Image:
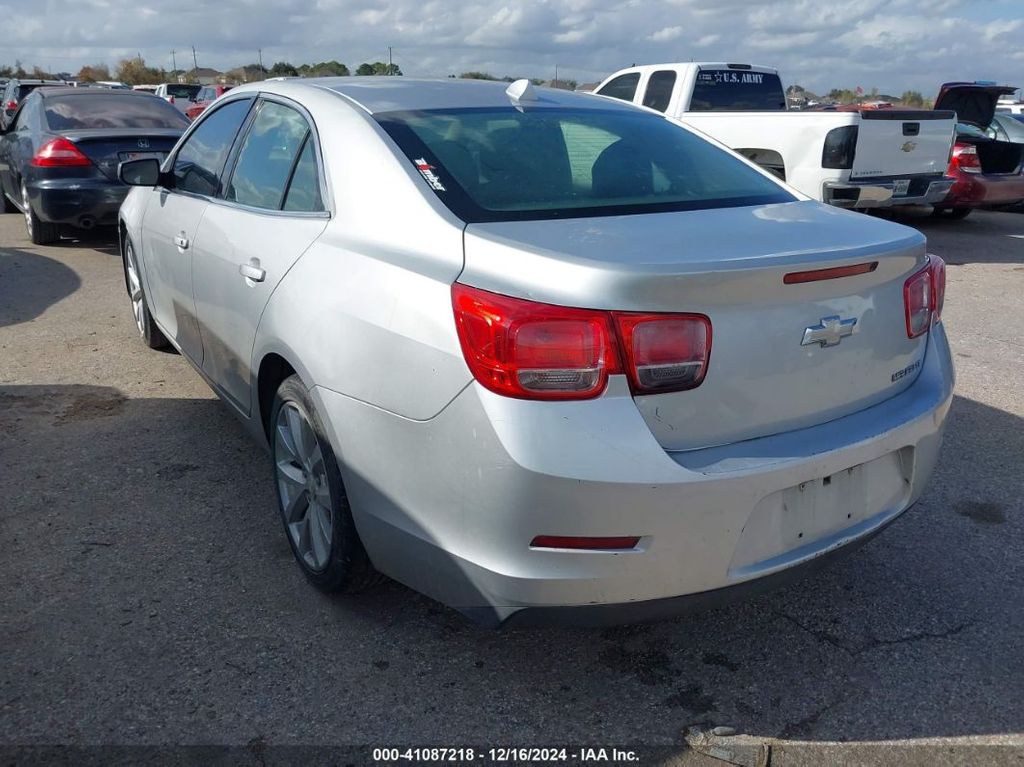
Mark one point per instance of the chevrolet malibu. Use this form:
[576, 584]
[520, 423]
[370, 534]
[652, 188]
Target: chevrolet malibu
[540, 356]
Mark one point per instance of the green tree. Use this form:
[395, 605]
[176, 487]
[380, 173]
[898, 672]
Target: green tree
[135, 72]
[378, 68]
[283, 69]
[477, 76]
[92, 73]
[912, 99]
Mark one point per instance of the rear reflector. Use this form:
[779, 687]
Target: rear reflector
[816, 275]
[577, 542]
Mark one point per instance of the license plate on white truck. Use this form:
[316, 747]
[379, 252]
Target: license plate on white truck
[901, 187]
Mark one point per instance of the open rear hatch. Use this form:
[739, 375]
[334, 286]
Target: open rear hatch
[975, 105]
[108, 147]
[785, 353]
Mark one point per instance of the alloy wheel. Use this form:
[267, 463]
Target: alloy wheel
[26, 209]
[302, 486]
[134, 287]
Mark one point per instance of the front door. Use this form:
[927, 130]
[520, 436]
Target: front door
[170, 236]
[272, 211]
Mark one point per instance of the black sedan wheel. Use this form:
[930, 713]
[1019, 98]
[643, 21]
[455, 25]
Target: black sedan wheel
[40, 232]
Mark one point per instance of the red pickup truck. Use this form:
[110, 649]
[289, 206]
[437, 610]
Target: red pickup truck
[205, 97]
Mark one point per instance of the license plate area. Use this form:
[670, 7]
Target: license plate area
[798, 516]
[901, 187]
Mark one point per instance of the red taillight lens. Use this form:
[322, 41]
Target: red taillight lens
[59, 153]
[534, 351]
[585, 543]
[10, 106]
[965, 157]
[665, 352]
[924, 293]
[530, 350]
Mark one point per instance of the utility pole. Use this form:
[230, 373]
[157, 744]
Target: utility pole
[260, 50]
[555, 83]
[195, 63]
[390, 65]
[174, 65]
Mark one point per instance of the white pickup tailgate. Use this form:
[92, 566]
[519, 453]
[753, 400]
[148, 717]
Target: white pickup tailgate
[898, 142]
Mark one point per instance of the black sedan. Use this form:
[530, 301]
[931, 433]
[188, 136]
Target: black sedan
[60, 152]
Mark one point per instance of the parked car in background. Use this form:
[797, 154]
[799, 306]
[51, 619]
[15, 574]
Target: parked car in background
[146, 88]
[988, 155]
[475, 327]
[59, 156]
[181, 95]
[15, 91]
[860, 159]
[206, 96]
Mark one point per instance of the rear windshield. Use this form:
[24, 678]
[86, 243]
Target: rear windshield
[736, 90]
[110, 110]
[25, 89]
[183, 91]
[501, 164]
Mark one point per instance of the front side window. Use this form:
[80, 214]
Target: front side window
[500, 164]
[269, 157]
[198, 165]
[659, 90]
[622, 87]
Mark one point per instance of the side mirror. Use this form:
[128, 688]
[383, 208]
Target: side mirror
[144, 172]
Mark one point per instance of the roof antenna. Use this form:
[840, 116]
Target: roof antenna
[521, 90]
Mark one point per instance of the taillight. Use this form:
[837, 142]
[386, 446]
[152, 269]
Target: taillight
[531, 350]
[59, 153]
[665, 352]
[923, 295]
[11, 105]
[839, 149]
[965, 157]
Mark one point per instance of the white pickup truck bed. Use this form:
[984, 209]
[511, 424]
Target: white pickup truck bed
[866, 159]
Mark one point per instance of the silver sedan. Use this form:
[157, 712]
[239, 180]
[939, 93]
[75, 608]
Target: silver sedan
[541, 356]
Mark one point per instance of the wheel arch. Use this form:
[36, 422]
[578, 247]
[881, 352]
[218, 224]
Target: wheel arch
[274, 368]
[769, 159]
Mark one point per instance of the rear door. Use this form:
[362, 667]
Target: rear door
[901, 143]
[272, 209]
[172, 220]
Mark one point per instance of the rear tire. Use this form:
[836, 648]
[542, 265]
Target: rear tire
[311, 496]
[39, 231]
[151, 335]
[951, 214]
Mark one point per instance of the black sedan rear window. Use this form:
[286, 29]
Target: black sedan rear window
[110, 110]
[183, 91]
[503, 164]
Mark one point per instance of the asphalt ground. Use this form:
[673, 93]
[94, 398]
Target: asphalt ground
[149, 596]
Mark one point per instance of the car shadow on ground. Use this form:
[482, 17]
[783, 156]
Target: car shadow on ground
[30, 283]
[149, 592]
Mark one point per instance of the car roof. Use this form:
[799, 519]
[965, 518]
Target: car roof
[49, 93]
[398, 94]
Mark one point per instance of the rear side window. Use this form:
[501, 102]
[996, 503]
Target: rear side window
[182, 91]
[269, 157]
[659, 90]
[737, 90]
[622, 87]
[198, 165]
[304, 190]
[110, 110]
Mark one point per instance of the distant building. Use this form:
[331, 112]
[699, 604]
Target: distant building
[202, 75]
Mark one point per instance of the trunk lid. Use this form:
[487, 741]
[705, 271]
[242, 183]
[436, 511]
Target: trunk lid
[109, 147]
[899, 142]
[974, 103]
[729, 264]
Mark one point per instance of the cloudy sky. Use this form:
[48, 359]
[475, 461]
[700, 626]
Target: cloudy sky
[893, 45]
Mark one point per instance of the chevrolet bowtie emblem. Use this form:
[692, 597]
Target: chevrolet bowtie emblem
[830, 332]
[909, 146]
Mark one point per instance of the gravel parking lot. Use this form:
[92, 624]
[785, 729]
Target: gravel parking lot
[149, 595]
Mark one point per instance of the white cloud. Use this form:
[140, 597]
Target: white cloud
[889, 44]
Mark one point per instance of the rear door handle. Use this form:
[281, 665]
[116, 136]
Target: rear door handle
[181, 241]
[251, 272]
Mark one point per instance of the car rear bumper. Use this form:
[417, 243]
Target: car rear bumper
[84, 203]
[449, 506]
[883, 193]
[973, 190]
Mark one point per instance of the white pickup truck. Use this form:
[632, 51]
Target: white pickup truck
[857, 159]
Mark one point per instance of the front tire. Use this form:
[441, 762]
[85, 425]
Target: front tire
[951, 214]
[150, 333]
[39, 232]
[311, 496]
